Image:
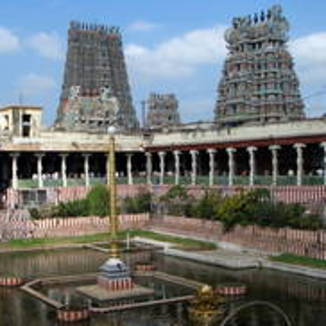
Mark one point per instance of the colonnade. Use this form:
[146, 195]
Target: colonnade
[212, 155]
[231, 152]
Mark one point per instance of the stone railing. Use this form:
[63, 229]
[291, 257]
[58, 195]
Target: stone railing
[299, 242]
[67, 226]
[240, 180]
[74, 182]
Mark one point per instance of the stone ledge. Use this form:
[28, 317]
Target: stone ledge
[227, 261]
[296, 269]
[101, 294]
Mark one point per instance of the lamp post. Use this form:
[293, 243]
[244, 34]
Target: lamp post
[115, 274]
[113, 194]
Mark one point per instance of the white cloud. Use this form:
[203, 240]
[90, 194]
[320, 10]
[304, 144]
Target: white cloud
[8, 41]
[142, 26]
[310, 54]
[179, 56]
[48, 45]
[310, 48]
[33, 84]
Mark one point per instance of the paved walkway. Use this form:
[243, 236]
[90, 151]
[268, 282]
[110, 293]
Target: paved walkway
[240, 258]
[220, 257]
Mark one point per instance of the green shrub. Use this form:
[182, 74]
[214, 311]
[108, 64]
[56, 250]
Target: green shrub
[207, 205]
[176, 192]
[232, 210]
[180, 209]
[73, 208]
[178, 202]
[255, 207]
[138, 204]
[96, 203]
[34, 213]
[98, 200]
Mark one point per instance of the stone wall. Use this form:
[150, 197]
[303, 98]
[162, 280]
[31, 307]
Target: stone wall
[299, 242]
[287, 194]
[55, 195]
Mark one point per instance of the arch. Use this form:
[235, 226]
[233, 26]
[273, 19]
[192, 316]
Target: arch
[257, 303]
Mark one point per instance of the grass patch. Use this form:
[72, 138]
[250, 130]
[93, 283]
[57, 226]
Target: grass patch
[40, 242]
[46, 242]
[300, 260]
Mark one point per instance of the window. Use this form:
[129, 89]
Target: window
[33, 198]
[27, 118]
[26, 125]
[26, 131]
[6, 127]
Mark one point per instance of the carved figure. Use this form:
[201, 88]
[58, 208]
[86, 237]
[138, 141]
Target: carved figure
[276, 12]
[105, 93]
[74, 92]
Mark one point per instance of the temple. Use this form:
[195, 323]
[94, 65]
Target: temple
[258, 84]
[162, 110]
[95, 65]
[259, 137]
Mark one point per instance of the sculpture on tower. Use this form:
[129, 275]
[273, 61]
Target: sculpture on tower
[95, 71]
[258, 84]
[89, 113]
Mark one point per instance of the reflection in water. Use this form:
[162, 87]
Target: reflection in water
[256, 313]
[303, 299]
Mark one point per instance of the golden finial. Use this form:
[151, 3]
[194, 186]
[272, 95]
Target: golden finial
[206, 307]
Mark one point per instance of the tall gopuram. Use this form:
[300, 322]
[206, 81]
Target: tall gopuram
[258, 84]
[162, 110]
[95, 68]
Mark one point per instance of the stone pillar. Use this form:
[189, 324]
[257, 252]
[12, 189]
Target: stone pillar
[274, 149]
[86, 168]
[162, 166]
[149, 167]
[211, 152]
[107, 168]
[323, 145]
[40, 169]
[299, 148]
[231, 151]
[252, 164]
[64, 169]
[14, 168]
[193, 166]
[129, 169]
[176, 167]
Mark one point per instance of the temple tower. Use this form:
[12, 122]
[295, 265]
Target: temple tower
[258, 84]
[162, 110]
[94, 61]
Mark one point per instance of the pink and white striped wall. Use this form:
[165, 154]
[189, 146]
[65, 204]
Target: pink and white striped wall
[287, 194]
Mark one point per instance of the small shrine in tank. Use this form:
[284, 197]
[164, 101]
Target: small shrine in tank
[114, 282]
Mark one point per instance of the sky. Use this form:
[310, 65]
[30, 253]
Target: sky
[170, 46]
